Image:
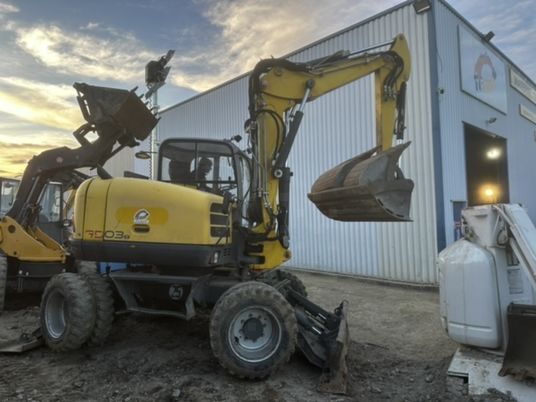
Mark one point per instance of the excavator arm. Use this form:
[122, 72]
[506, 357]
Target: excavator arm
[369, 187]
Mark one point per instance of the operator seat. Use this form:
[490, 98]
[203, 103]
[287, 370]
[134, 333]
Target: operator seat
[179, 171]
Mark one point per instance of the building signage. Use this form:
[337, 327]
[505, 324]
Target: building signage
[483, 74]
[522, 86]
[527, 113]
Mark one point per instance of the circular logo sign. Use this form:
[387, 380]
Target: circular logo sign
[141, 217]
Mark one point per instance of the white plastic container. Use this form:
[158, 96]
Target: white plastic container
[469, 295]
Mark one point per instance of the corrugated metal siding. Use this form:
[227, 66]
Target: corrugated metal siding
[124, 160]
[337, 127]
[456, 108]
[407, 251]
[219, 114]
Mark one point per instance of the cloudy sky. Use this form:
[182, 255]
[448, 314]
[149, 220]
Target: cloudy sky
[48, 45]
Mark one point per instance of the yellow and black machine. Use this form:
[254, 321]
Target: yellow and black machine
[213, 229]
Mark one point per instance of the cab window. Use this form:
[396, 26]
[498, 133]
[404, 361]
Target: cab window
[7, 195]
[207, 166]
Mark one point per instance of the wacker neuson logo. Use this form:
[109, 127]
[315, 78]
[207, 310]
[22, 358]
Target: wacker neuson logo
[142, 217]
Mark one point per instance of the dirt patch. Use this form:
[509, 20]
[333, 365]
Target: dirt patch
[398, 353]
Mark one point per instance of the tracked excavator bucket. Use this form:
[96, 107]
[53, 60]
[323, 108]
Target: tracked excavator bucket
[367, 188]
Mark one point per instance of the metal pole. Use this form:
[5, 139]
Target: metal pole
[154, 140]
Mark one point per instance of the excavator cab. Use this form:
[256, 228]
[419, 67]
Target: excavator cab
[217, 167]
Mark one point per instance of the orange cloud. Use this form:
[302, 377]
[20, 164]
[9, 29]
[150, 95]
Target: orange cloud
[15, 155]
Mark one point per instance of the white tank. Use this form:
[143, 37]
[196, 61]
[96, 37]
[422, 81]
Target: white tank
[469, 295]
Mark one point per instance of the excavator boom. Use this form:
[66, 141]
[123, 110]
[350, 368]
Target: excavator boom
[369, 187]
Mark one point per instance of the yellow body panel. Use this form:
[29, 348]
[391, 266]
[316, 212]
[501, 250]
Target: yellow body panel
[28, 245]
[274, 255]
[137, 210]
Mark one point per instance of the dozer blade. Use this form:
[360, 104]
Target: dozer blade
[335, 376]
[520, 357]
[367, 188]
[24, 343]
[323, 339]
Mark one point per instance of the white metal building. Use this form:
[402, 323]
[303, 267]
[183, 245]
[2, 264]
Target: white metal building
[464, 98]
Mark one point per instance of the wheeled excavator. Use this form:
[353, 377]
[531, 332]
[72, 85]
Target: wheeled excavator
[214, 238]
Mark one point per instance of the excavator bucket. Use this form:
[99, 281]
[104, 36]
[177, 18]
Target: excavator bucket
[367, 188]
[123, 107]
[520, 357]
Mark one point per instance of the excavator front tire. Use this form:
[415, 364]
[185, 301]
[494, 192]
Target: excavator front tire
[67, 312]
[104, 302]
[3, 282]
[253, 330]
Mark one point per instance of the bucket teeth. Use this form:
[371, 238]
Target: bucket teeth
[367, 188]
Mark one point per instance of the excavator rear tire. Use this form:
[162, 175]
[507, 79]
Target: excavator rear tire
[67, 312]
[104, 302]
[253, 330]
[3, 282]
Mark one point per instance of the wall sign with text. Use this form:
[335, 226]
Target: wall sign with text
[527, 113]
[522, 86]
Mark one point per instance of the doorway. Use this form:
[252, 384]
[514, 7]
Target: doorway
[486, 166]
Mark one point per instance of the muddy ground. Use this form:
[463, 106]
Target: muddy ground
[399, 352]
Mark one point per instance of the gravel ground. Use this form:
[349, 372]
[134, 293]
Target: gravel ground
[398, 352]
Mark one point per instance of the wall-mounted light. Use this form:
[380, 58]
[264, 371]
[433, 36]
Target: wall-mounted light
[422, 6]
[493, 153]
[489, 193]
[491, 120]
[489, 36]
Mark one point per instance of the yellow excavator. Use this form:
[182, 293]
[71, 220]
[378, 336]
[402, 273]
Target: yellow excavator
[213, 228]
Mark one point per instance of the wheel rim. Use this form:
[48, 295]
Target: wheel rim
[254, 334]
[55, 314]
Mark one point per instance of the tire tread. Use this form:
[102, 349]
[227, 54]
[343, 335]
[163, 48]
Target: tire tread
[104, 302]
[81, 320]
